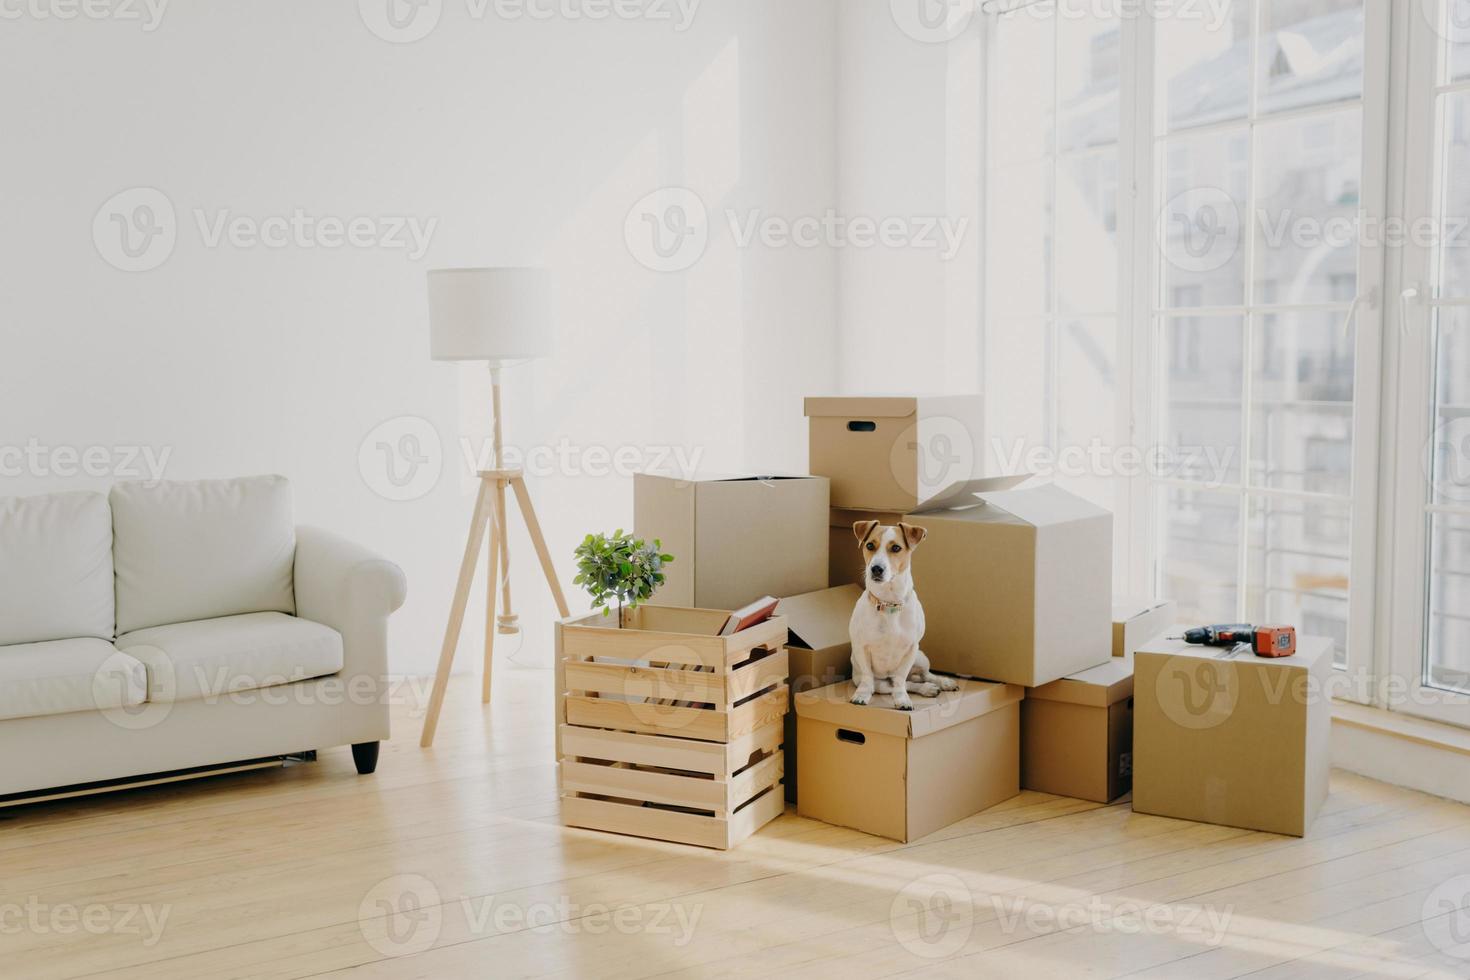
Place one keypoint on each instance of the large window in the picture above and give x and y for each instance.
(1184, 257)
(1431, 602)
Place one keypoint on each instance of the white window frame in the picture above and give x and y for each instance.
(1408, 377)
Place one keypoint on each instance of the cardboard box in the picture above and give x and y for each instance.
(893, 453)
(1077, 734)
(1240, 741)
(819, 651)
(734, 539)
(1136, 621)
(905, 774)
(845, 561)
(1016, 582)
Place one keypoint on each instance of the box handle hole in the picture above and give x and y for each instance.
(860, 426)
(848, 735)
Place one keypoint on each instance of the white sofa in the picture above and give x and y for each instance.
(174, 625)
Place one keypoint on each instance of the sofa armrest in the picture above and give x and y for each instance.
(345, 586)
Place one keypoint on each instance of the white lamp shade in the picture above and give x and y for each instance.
(496, 315)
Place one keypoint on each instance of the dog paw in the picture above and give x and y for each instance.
(904, 705)
(947, 683)
(927, 690)
(859, 699)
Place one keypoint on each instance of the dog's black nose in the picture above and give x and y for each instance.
(877, 573)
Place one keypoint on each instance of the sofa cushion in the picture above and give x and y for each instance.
(55, 568)
(215, 657)
(61, 676)
(203, 549)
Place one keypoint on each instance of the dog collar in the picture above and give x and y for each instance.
(885, 607)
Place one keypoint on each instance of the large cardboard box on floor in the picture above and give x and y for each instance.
(1232, 739)
(1016, 581)
(905, 774)
(1077, 734)
(734, 539)
(1136, 621)
(894, 453)
(819, 651)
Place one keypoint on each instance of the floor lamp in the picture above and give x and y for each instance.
(501, 317)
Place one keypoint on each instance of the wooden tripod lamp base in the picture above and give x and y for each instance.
(491, 513)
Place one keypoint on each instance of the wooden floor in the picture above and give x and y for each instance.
(456, 851)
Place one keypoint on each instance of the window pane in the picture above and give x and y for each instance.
(1018, 247)
(1454, 194)
(1202, 361)
(1307, 200)
(1456, 30)
(1199, 226)
(1022, 86)
(1087, 356)
(1087, 78)
(1297, 567)
(1202, 64)
(1449, 450)
(1197, 550)
(1310, 52)
(1302, 402)
(1449, 602)
(1087, 227)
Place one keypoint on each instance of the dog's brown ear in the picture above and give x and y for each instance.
(864, 528)
(913, 534)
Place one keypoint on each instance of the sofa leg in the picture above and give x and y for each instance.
(365, 754)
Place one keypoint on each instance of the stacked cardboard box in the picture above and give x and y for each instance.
(904, 774)
(735, 539)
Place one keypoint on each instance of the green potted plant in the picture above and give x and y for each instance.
(619, 567)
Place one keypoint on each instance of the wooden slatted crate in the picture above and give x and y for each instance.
(666, 729)
(707, 793)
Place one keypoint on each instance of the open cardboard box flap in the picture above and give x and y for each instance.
(818, 620)
(965, 492)
(832, 704)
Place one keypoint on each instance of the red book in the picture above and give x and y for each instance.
(747, 616)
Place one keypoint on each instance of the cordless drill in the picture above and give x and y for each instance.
(1264, 641)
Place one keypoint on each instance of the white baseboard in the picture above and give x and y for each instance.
(1408, 752)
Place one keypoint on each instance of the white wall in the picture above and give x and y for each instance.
(528, 141)
(909, 146)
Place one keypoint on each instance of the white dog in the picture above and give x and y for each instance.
(888, 623)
